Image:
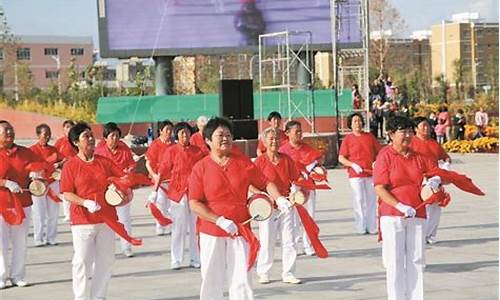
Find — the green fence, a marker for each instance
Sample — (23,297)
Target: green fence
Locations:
(135,109)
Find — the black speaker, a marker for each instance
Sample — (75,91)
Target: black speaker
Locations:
(236,99)
(245,129)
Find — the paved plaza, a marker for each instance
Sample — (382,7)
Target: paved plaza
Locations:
(463,265)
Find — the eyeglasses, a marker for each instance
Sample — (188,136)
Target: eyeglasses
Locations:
(405,131)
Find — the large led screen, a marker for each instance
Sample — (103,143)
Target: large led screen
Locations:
(175,27)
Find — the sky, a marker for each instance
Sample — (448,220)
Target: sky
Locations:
(79,17)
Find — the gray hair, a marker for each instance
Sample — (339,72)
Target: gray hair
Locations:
(270,130)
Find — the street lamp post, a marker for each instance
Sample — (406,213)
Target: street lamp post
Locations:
(58,65)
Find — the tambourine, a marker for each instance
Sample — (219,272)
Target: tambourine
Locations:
(297,197)
(319,174)
(37,188)
(427,192)
(56,175)
(115,197)
(260,207)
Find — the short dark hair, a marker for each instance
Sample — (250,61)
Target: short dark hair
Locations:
(349,119)
(399,122)
(215,123)
(419,120)
(39,128)
(5,122)
(274,114)
(291,124)
(70,122)
(180,126)
(163,124)
(460,111)
(75,131)
(109,128)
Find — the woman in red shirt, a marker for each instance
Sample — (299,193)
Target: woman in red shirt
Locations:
(197,138)
(84,182)
(218,189)
(118,152)
(177,163)
(357,152)
(14,180)
(274,120)
(153,157)
(398,176)
(46,207)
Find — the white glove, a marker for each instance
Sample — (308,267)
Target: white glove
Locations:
(294,188)
(136,157)
(227,225)
(446,166)
(356,168)
(12,186)
(91,206)
(408,211)
(434,182)
(152,197)
(35,175)
(311,166)
(283,204)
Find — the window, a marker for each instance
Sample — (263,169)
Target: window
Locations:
(51,74)
(50,51)
(23,54)
(1,80)
(1,53)
(76,51)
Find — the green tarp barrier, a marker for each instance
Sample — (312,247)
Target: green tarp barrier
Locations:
(140,109)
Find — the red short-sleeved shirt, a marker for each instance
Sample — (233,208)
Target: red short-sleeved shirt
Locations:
(88,180)
(428,148)
(122,156)
(402,176)
(176,164)
(65,148)
(361,150)
(281,174)
(302,155)
(18,158)
(224,189)
(155,151)
(283,140)
(198,141)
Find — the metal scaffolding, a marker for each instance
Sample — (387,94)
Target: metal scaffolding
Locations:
(285,65)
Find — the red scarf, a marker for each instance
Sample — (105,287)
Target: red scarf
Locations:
(312,231)
(253,242)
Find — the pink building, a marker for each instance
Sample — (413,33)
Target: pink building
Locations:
(48,58)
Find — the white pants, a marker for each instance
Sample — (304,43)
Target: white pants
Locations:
(432,221)
(181,220)
(17,235)
(300,234)
(223,257)
(163,204)
(267,237)
(45,214)
(364,204)
(94,244)
(403,257)
(123,213)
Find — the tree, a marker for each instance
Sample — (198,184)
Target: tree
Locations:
(386,21)
(8,46)
(443,88)
(461,76)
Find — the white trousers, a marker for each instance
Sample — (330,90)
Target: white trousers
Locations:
(94,244)
(163,204)
(45,214)
(268,230)
(17,236)
(124,217)
(364,204)
(432,221)
(223,257)
(182,219)
(403,257)
(300,234)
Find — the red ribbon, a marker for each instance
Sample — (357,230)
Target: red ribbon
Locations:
(461,181)
(53,196)
(157,214)
(15,217)
(312,231)
(252,241)
(440,197)
(310,185)
(118,228)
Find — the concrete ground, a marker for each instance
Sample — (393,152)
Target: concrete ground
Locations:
(463,265)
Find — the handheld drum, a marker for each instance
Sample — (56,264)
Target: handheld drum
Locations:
(298,197)
(37,188)
(260,207)
(56,175)
(427,192)
(319,174)
(115,197)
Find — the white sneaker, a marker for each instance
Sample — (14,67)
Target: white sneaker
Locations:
(21,283)
(430,241)
(160,231)
(175,266)
(195,265)
(39,243)
(52,243)
(291,279)
(309,252)
(264,279)
(3,285)
(128,253)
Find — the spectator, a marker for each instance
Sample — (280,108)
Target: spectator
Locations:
(445,116)
(432,124)
(460,122)
(481,120)
(440,131)
(378,116)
